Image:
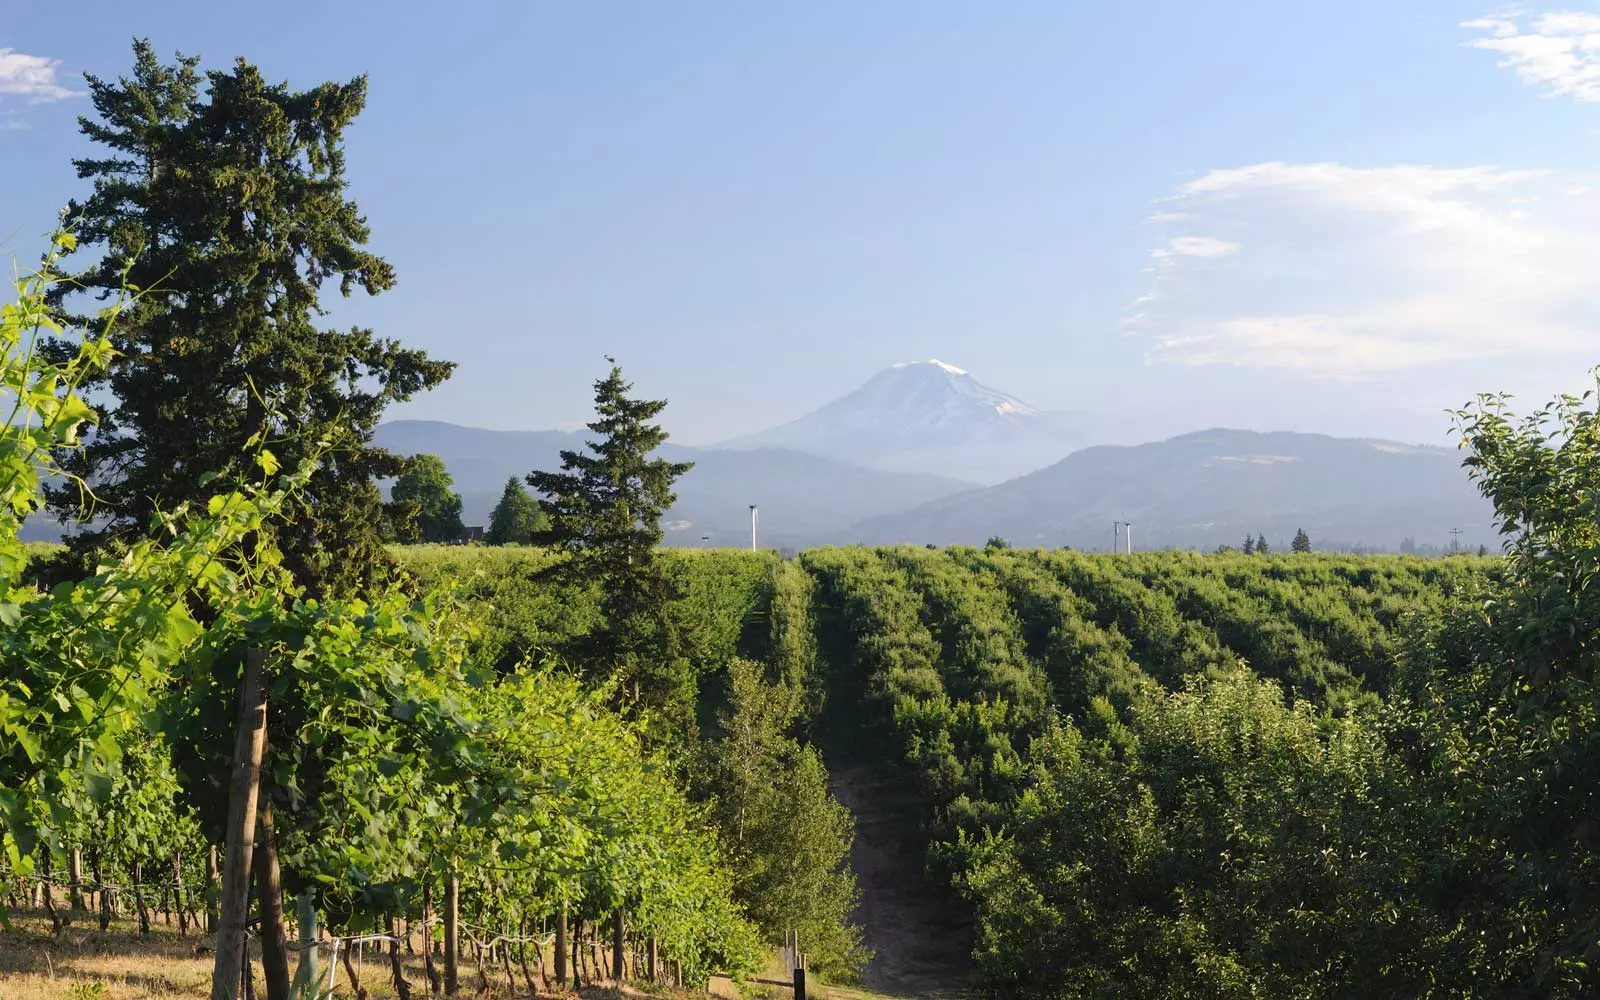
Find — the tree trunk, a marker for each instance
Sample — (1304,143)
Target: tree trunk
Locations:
(177,893)
(211,889)
(138,897)
(618,944)
(427,941)
(452,931)
(505,960)
(561,948)
(75,880)
(244,787)
(100,885)
(355,977)
(402,989)
(269,901)
(56,922)
(651,958)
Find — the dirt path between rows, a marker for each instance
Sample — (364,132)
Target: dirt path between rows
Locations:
(921,942)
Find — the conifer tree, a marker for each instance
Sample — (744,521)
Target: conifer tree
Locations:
(1261,545)
(1249,546)
(1302,541)
(516,519)
(604,511)
(222,199)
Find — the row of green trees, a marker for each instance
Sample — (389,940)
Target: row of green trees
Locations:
(1290,776)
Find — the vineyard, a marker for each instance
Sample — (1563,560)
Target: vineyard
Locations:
(1164,774)
(966,669)
(251,745)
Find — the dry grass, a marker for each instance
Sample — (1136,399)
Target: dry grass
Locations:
(82,963)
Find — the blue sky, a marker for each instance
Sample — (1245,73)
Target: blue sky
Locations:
(1289,214)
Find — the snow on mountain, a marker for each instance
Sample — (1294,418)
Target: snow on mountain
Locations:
(930,416)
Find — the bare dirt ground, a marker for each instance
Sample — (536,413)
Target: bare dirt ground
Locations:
(921,943)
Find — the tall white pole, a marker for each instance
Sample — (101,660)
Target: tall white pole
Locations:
(752,527)
(1116,536)
(1128,528)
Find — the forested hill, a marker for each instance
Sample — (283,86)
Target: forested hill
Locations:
(803,497)
(1198,490)
(1210,488)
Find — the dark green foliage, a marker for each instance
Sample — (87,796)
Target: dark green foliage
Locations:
(1249,546)
(516,518)
(789,839)
(423,506)
(1261,545)
(1302,541)
(222,200)
(1210,843)
(605,510)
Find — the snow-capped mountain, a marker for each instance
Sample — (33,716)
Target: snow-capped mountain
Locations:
(930,416)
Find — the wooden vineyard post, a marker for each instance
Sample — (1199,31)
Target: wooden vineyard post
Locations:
(212,877)
(138,896)
(243,788)
(650,960)
(618,943)
(75,880)
(452,934)
(434,983)
(561,947)
(269,905)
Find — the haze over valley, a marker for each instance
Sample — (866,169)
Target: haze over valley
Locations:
(924,453)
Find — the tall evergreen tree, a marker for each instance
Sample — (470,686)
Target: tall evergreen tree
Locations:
(788,837)
(605,510)
(1302,541)
(428,509)
(226,209)
(516,519)
(1262,548)
(1249,546)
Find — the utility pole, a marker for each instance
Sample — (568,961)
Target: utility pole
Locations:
(1116,536)
(1128,533)
(1455,541)
(753,509)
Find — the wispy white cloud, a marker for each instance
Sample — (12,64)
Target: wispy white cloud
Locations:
(1557,51)
(1335,270)
(1201,246)
(31,77)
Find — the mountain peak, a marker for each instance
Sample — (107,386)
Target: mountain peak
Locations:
(929,414)
(936,363)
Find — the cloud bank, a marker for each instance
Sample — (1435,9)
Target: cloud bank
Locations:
(1327,269)
(1556,51)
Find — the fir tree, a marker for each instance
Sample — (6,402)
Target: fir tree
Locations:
(227,210)
(1249,546)
(788,836)
(516,519)
(429,510)
(1302,541)
(1261,545)
(604,511)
